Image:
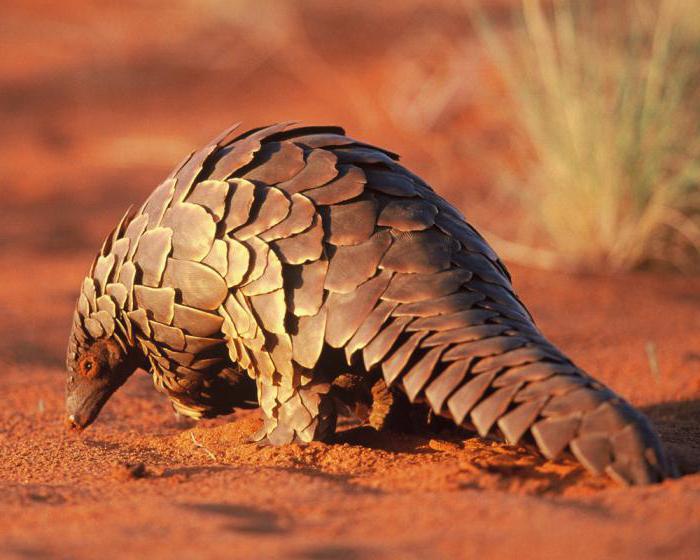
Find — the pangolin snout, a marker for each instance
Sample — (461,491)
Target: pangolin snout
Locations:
(73,424)
(84,401)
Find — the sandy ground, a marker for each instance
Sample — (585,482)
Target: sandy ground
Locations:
(96,106)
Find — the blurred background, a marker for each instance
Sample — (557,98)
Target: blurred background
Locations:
(565,130)
(508,108)
(99,100)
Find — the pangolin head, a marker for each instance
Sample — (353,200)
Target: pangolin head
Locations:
(99,358)
(97,370)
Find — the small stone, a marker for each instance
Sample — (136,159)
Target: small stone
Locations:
(129,471)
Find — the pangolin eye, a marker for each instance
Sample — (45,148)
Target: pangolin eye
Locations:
(89,367)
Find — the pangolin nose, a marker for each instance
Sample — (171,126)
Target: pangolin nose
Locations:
(72,423)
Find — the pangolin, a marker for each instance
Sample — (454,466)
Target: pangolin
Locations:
(273,262)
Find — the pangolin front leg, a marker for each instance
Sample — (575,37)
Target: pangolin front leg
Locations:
(298,414)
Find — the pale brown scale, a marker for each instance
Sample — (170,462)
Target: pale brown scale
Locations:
(300,217)
(407,215)
(253,259)
(235,322)
(348,185)
(393,366)
(594,452)
(605,418)
(383,342)
(170,336)
(116,291)
(240,204)
(102,271)
(558,385)
(211,195)
(553,434)
(350,223)
(196,344)
(351,265)
(139,318)
(152,252)
(193,231)
(281,353)
(276,261)
(272,207)
(320,169)
(468,395)
(466,318)
(270,309)
(200,286)
(533,372)
(415,379)
(491,408)
(239,260)
(463,334)
(370,327)
(276,162)
(238,154)
(441,387)
(518,421)
(413,288)
(452,303)
(270,280)
(513,358)
(304,285)
(158,302)
(302,247)
(484,347)
(423,252)
(120,248)
(195,321)
(347,312)
(583,400)
(158,202)
(134,231)
(106,303)
(218,257)
(126,278)
(307,341)
(106,322)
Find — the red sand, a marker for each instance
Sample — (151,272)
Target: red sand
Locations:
(90,128)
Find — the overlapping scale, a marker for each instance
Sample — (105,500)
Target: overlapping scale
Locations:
(351,265)
(272,206)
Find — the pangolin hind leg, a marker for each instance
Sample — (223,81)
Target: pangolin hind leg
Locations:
(372,402)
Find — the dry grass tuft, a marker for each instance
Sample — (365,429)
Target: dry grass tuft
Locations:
(203,447)
(608,105)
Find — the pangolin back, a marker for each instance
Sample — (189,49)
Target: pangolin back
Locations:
(300,254)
